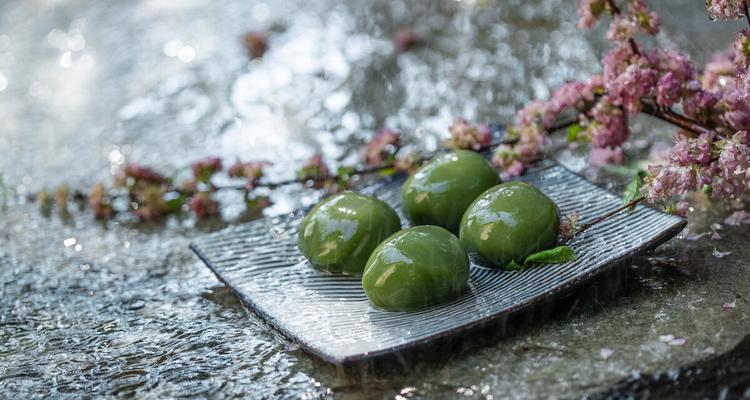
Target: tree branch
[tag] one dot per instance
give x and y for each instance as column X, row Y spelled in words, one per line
column 690, row 127
column 583, row 227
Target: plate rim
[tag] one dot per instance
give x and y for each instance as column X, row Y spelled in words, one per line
column 644, row 247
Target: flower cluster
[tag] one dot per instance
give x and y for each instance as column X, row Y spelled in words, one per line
column 152, row 196
column 382, row 148
column 711, row 109
column 465, row 135
column 726, row 9
column 250, row 171
column 314, row 169
column 639, row 19
column 204, row 169
column 718, row 166
column 589, row 12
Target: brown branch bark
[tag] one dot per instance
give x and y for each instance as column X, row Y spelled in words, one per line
column 689, row 126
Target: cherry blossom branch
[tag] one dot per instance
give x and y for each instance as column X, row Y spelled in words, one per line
column 316, row 179
column 687, row 125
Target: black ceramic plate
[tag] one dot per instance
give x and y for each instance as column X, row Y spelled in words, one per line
column 331, row 317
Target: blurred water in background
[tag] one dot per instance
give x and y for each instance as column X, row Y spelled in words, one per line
column 126, row 309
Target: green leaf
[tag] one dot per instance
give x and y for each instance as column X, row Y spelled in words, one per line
column 513, row 266
column 557, row 255
column 174, row 205
column 633, row 189
column 573, row 132
column 387, row 171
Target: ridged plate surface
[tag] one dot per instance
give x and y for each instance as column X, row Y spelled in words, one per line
column 331, row 317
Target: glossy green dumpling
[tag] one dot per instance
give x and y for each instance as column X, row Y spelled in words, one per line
column 509, row 222
column 440, row 191
column 416, row 267
column 339, row 233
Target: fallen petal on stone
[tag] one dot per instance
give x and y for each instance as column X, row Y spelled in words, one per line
column 737, row 218
column 677, row 342
column 729, row 306
column 694, row 236
column 606, row 353
column 721, row 254
column 666, row 338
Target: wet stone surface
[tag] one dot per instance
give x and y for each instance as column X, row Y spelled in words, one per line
column 123, row 308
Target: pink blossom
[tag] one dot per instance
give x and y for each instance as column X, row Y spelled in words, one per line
column 589, row 12
column 622, row 29
column 721, row 65
column 725, row 9
column 742, row 49
column 616, row 61
column 734, row 160
column 251, row 171
column 629, row 87
column 141, row 173
column 647, row 20
column 381, row 148
column 628, row 77
column 609, row 127
column 504, row 158
column 407, row 162
column 530, row 144
column 678, row 72
column 666, row 181
column 570, row 94
column 151, row 205
column 204, row 169
column 314, row 168
column 465, row 135
column 204, row 205
column 594, row 87
column 679, row 64
column 601, row 157
column 681, row 208
column 736, row 109
column 699, row 105
column 668, row 90
column 687, row 151
column 743, row 84
column 532, row 113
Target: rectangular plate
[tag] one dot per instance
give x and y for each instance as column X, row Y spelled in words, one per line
column 331, row 317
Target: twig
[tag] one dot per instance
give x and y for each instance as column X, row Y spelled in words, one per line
column 690, row 127
column 370, row 170
column 747, row 13
column 583, row 227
